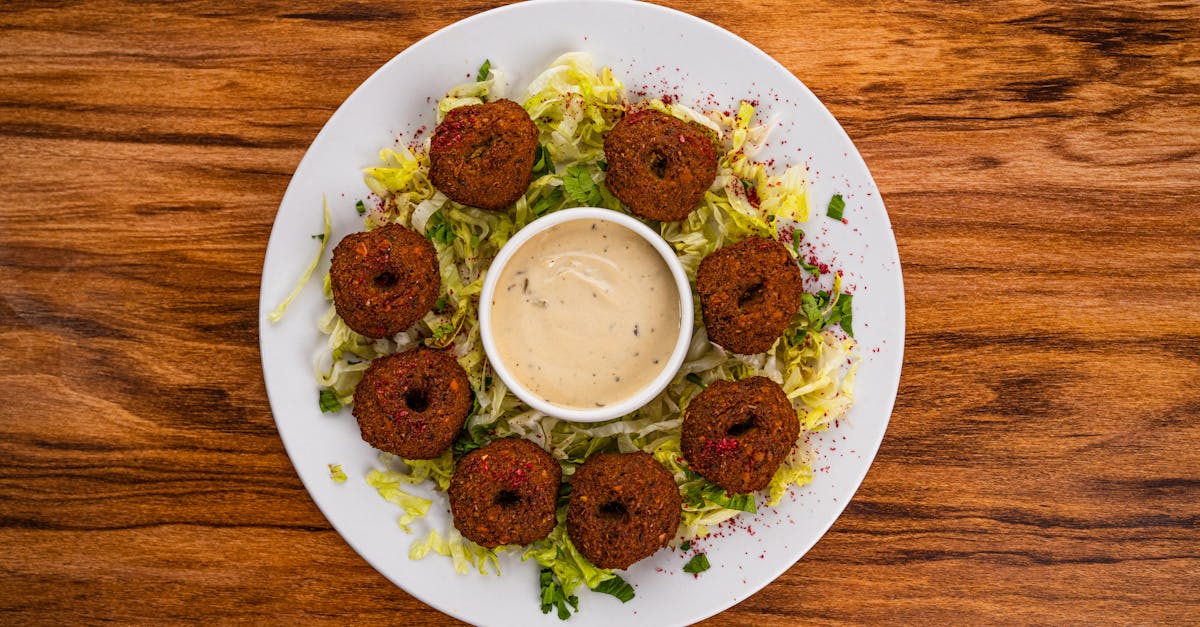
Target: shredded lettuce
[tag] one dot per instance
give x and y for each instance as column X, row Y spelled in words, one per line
column 573, row 105
column 277, row 314
column 463, row 553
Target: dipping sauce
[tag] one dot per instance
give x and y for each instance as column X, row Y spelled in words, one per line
column 585, row 314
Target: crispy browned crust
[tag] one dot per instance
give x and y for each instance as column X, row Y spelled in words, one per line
column 384, row 280
column 505, row 493
column 482, row 155
column 412, row 404
column 749, row 294
column 659, row 165
column 737, row 434
column 623, row 508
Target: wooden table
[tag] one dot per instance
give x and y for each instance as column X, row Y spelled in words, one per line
column 1041, row 165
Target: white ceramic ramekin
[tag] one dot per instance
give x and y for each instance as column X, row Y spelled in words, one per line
column 639, row 398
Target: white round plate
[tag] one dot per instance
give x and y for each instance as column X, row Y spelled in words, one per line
column 655, row 51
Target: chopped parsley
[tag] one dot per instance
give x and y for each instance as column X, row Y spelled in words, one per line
column 328, row 401
column 686, row 546
column 319, row 236
column 820, row 313
column 580, row 187
column 836, row 206
column 336, row 473
column 617, row 587
column 438, row 230
column 485, row 71
column 697, row 564
column 360, row 207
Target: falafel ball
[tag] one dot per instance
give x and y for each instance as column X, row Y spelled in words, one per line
column 482, row 155
column 412, row 404
column 384, row 280
column 659, row 165
column 749, row 294
column 623, row 508
column 505, row 493
column 736, row 434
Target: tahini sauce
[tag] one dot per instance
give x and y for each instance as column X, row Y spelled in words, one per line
column 585, row 314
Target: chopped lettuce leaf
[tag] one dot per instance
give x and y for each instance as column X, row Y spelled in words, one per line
column 277, row 314
column 387, row 483
column 463, row 553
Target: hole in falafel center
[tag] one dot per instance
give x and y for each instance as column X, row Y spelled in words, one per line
column 613, row 510
column 741, row 427
column 480, row 148
column 752, row 295
column 658, row 164
column 506, row 498
column 416, row 400
column 386, row 280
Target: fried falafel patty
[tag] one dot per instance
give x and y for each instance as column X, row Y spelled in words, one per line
column 736, row 434
column 749, row 294
column 623, row 508
column 482, row 155
column 659, row 165
column 505, row 493
column 385, row 280
column 412, row 404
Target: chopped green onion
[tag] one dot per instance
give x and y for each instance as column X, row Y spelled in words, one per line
column 360, row 207
column 485, row 70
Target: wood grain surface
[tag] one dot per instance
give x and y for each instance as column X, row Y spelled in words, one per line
column 1041, row 165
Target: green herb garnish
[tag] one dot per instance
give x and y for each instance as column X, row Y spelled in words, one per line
column 544, row 163
column 580, row 187
column 360, row 207
column 485, row 71
column 836, row 206
column 697, row 564
column 702, row 493
column 336, row 473
column 686, row 546
column 544, row 204
column 820, row 312
column 319, row 236
column 328, row 401
column 553, row 596
column 616, row 587
column 695, row 378
column 438, row 230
